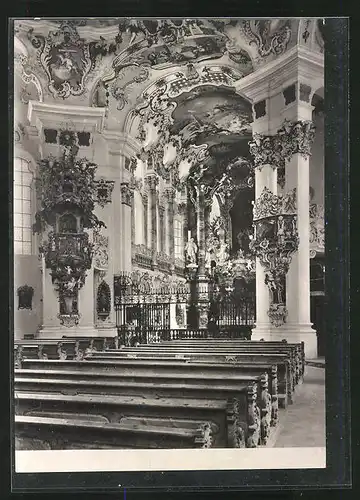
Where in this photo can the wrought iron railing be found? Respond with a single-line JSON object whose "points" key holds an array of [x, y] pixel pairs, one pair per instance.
{"points": [[132, 337]]}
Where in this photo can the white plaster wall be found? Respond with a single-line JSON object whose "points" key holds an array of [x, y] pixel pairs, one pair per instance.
{"points": [[317, 178]]}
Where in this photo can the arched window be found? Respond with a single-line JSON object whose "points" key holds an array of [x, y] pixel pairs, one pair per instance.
{"points": [[23, 178]]}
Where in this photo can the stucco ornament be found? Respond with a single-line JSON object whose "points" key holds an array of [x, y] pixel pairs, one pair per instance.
{"points": [[271, 36]]}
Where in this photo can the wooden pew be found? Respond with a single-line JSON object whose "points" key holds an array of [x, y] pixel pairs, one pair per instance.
{"points": [[231, 350], [255, 420], [66, 348], [293, 350], [297, 348], [154, 370], [36, 432], [167, 412], [284, 367]]}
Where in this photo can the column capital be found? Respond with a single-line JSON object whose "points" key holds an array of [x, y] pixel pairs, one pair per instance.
{"points": [[291, 138], [296, 137], [170, 193], [127, 194], [152, 180]]}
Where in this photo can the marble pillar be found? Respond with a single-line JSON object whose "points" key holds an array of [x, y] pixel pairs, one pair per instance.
{"points": [[298, 326], [127, 194], [265, 177], [152, 181]]}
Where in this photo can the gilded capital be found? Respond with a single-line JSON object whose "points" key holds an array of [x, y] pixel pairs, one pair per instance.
{"points": [[296, 137], [127, 194], [152, 181]]}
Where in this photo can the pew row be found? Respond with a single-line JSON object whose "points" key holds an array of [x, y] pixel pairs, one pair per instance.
{"points": [[139, 370], [39, 432], [255, 420], [285, 370], [165, 412]]}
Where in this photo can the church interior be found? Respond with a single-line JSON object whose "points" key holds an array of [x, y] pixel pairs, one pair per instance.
{"points": [[168, 229]]}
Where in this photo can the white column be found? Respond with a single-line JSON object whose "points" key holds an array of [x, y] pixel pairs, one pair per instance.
{"points": [[264, 178], [126, 246], [298, 326]]}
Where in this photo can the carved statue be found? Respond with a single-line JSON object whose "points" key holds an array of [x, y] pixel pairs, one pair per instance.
{"points": [[281, 230], [223, 253], [274, 285], [191, 251]]}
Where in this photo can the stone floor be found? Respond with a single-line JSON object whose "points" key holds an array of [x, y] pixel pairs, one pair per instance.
{"points": [[303, 423]]}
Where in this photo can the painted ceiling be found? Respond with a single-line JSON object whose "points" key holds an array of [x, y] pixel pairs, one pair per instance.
{"points": [[188, 65]]}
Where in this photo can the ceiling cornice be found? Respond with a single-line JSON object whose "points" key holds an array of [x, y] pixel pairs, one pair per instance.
{"points": [[297, 63], [83, 118]]}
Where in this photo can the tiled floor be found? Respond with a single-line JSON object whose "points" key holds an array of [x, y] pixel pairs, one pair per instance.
{"points": [[303, 423]]}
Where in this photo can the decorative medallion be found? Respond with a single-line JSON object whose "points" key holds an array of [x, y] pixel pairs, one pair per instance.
{"points": [[269, 204], [277, 314], [69, 320], [104, 189], [67, 59]]}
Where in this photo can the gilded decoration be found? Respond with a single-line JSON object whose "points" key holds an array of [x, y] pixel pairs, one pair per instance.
{"points": [[317, 228], [291, 138], [67, 190], [296, 137], [101, 250], [127, 194], [104, 189], [274, 241], [67, 59], [270, 36]]}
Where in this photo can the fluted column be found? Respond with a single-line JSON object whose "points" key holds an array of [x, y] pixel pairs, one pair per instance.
{"points": [[127, 194], [153, 180], [265, 177], [300, 135], [202, 210], [170, 196]]}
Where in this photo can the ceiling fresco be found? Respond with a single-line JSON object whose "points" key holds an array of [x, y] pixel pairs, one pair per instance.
{"points": [[167, 82]]}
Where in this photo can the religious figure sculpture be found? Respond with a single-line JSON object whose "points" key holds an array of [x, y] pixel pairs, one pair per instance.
{"points": [[281, 230], [223, 253], [191, 251], [274, 286]]}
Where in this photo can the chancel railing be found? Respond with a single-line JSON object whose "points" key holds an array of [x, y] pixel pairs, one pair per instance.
{"points": [[152, 308]]}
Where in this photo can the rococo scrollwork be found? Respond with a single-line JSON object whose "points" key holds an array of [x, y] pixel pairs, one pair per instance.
{"points": [[104, 189], [275, 150], [274, 241], [67, 188]]}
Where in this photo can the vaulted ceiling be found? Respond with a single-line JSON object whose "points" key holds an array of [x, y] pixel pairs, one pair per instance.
{"points": [[111, 62]]}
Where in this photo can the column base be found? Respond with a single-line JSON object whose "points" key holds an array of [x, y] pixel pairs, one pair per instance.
{"points": [[291, 332], [107, 331], [294, 333], [58, 332], [261, 331]]}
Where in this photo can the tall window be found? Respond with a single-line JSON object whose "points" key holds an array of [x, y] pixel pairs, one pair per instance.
{"points": [[178, 240], [22, 207]]}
